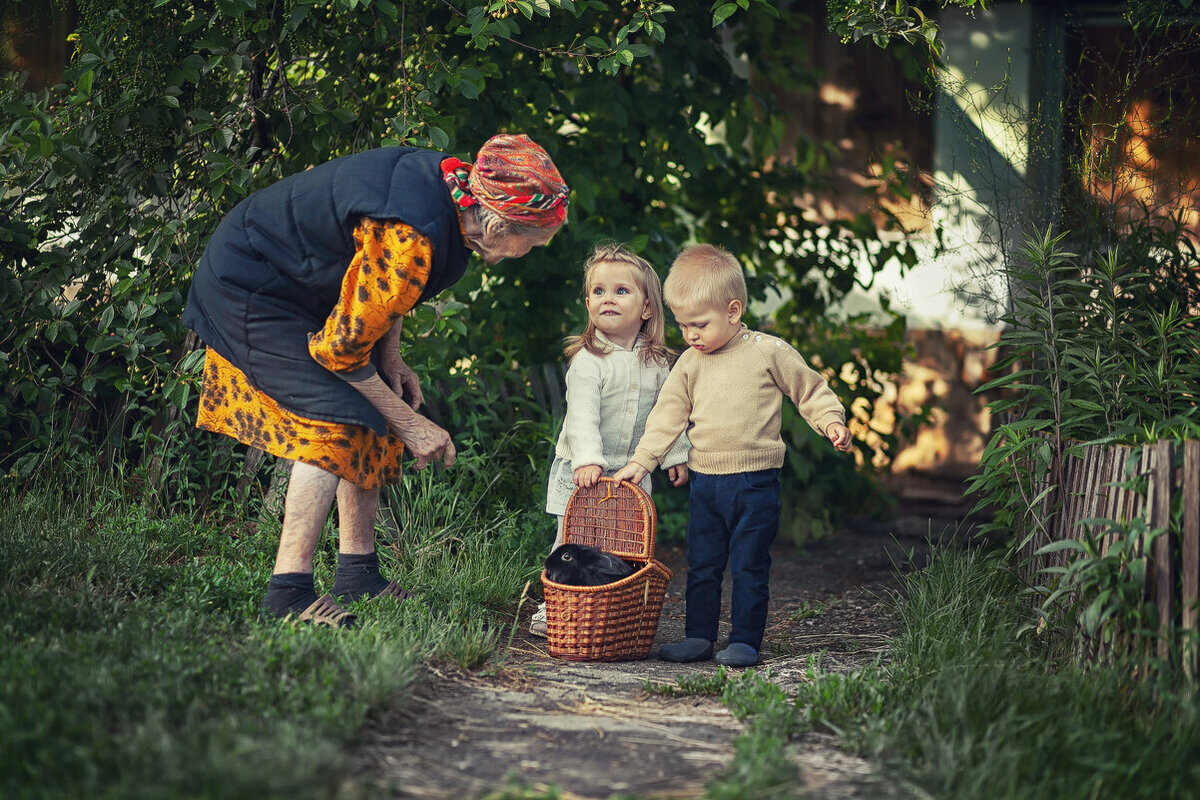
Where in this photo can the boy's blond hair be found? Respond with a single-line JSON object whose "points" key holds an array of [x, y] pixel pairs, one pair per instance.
{"points": [[653, 332], [704, 274]]}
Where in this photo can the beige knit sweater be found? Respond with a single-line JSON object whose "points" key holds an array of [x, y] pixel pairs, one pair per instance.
{"points": [[729, 402]]}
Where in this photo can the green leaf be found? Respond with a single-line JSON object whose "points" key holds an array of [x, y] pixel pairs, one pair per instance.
{"points": [[722, 13], [1063, 544], [438, 137], [468, 89]]}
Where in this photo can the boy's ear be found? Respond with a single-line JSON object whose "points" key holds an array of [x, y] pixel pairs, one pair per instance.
{"points": [[735, 310]]}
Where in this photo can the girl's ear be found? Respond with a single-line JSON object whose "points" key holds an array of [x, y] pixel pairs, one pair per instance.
{"points": [[647, 312]]}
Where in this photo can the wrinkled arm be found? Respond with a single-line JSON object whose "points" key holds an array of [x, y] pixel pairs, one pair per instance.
{"points": [[427, 442]]}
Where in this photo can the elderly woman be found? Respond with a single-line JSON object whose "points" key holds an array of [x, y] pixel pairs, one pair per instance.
{"points": [[299, 299]]}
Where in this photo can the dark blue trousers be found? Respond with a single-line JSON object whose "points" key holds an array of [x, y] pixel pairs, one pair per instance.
{"points": [[732, 519]]}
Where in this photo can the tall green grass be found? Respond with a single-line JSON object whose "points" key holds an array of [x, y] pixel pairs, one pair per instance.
{"points": [[968, 707], [135, 663]]}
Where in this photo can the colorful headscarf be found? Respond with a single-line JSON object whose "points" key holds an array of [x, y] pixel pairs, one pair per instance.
{"points": [[514, 177]]}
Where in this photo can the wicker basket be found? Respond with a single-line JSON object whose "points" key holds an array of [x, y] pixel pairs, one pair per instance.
{"points": [[617, 621]]}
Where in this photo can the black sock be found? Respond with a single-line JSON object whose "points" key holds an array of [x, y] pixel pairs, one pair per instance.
{"points": [[289, 592], [358, 576]]}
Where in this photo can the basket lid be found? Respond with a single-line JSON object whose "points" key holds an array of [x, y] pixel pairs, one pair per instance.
{"points": [[615, 516]]}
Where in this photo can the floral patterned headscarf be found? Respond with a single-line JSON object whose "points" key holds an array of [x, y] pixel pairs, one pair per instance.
{"points": [[513, 176]]}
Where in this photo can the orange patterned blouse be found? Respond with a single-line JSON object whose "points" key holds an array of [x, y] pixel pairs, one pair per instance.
{"points": [[383, 282]]}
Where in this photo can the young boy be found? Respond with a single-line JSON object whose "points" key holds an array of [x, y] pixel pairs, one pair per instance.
{"points": [[726, 391]]}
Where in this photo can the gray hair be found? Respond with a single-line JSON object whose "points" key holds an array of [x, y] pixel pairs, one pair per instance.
{"points": [[493, 224]]}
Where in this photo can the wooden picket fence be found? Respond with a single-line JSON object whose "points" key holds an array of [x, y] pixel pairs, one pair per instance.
{"points": [[1095, 484]]}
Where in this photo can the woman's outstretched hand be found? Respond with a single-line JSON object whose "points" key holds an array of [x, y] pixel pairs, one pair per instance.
{"points": [[426, 442]]}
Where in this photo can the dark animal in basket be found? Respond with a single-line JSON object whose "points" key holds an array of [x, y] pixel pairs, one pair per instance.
{"points": [[581, 565]]}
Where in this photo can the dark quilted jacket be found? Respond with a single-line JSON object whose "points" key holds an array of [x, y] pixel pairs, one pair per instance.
{"points": [[272, 272]]}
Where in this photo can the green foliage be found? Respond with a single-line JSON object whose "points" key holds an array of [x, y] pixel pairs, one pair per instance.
{"points": [[1102, 587], [169, 114], [1097, 349], [885, 22]]}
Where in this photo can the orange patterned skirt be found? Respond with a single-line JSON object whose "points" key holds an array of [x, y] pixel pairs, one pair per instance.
{"points": [[230, 405]]}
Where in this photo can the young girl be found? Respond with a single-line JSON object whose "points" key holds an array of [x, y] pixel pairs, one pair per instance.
{"points": [[618, 364]]}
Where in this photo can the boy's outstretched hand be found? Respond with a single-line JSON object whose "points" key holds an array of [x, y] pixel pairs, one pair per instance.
{"points": [[839, 434], [632, 472]]}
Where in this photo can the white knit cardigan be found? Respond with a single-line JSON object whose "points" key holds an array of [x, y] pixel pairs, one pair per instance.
{"points": [[609, 397]]}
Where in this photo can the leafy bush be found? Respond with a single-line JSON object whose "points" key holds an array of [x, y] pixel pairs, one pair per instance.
{"points": [[1098, 349], [170, 114]]}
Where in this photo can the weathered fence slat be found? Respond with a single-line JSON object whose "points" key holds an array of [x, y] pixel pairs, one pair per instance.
{"points": [[1160, 517], [1190, 547]]}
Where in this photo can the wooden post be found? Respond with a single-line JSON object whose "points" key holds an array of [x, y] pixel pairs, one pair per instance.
{"points": [[1160, 517], [1191, 550]]}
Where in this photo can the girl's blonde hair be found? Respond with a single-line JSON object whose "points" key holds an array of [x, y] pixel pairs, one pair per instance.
{"points": [[652, 334]]}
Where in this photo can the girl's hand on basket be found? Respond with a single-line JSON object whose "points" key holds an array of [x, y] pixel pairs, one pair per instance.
{"points": [[632, 472], [587, 476], [678, 474]]}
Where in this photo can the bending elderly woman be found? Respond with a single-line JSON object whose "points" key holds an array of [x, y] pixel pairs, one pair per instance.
{"points": [[299, 299]]}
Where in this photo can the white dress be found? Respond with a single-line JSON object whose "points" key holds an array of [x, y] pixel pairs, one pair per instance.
{"points": [[609, 397]]}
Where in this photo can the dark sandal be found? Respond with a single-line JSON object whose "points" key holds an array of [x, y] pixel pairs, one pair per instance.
{"points": [[326, 611], [393, 589]]}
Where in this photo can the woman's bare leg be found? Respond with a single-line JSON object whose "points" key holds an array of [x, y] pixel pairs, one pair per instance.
{"points": [[309, 499], [357, 508]]}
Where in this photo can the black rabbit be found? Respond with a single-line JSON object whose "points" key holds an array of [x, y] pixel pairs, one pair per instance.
{"points": [[581, 565]]}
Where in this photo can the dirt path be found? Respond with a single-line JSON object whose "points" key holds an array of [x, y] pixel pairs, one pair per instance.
{"points": [[594, 731]]}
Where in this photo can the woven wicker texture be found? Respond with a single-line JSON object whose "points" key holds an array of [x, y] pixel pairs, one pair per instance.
{"points": [[617, 621], [616, 517]]}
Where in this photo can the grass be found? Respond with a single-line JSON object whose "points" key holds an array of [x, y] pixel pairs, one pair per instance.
{"points": [[134, 662], [963, 706]]}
